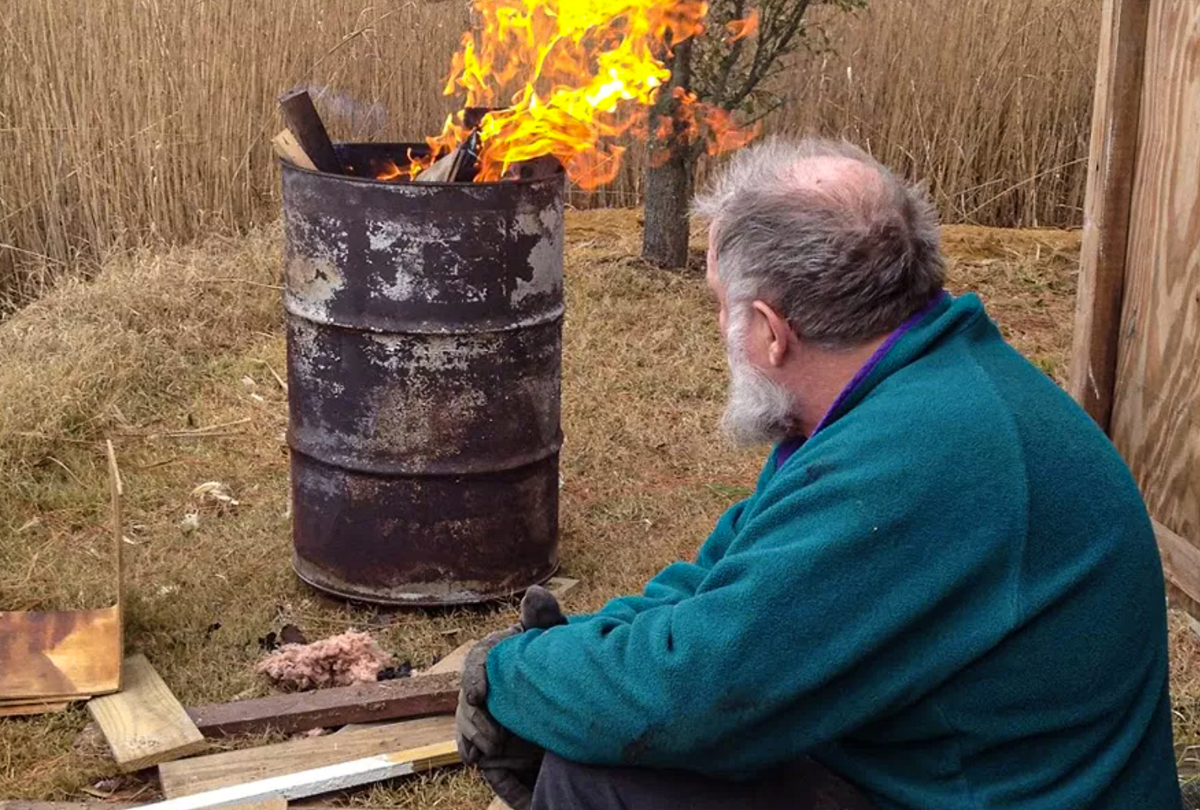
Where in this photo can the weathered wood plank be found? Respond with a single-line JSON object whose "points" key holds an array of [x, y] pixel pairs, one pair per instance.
{"points": [[40, 707], [143, 723], [453, 662], [315, 781], [1181, 564], [1115, 116], [196, 775], [1156, 409], [362, 703]]}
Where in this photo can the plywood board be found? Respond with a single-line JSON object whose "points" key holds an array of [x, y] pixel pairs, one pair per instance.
{"points": [[59, 653], [196, 775], [1156, 410], [143, 723], [1115, 116], [73, 653], [325, 779]]}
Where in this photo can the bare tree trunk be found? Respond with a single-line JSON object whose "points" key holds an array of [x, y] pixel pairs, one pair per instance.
{"points": [[668, 197], [671, 176]]}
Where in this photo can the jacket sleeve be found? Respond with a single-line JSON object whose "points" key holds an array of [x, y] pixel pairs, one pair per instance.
{"points": [[830, 607], [678, 581]]}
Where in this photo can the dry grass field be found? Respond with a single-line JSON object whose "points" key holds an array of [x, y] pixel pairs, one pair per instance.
{"points": [[182, 340], [128, 123]]}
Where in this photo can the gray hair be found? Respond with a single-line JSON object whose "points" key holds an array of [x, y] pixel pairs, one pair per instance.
{"points": [[843, 262]]}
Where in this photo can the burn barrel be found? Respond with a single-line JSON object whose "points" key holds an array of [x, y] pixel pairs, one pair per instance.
{"points": [[424, 335]]}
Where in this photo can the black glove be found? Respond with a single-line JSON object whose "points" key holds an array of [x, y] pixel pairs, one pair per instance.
{"points": [[509, 763]]}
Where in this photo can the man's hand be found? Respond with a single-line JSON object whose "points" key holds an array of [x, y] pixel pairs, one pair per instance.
{"points": [[509, 763]]}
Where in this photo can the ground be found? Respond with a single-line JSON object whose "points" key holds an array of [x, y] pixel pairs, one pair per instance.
{"points": [[160, 346]]}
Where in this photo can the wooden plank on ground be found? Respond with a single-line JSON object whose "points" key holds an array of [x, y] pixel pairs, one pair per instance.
{"points": [[1156, 408], [143, 723], [23, 709], [453, 662], [196, 775], [60, 652], [92, 804], [1115, 115], [398, 699], [498, 804], [272, 802], [325, 779], [559, 586]]}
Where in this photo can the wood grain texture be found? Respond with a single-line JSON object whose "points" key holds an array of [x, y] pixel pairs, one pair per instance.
{"points": [[272, 802], [304, 122], [71, 653], [1115, 116], [560, 586], [288, 148], [1156, 410], [23, 709], [325, 779], [143, 723], [453, 662], [196, 775], [1181, 567], [361, 703]]}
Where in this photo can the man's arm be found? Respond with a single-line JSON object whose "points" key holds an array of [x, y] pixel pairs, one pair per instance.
{"points": [[830, 608], [678, 581]]}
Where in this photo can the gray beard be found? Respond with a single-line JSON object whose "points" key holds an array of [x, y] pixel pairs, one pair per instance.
{"points": [[758, 410]]}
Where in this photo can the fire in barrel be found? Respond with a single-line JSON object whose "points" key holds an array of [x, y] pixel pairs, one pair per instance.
{"points": [[424, 302]]}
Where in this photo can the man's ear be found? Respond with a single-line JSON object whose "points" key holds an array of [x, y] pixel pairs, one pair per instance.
{"points": [[779, 332]]}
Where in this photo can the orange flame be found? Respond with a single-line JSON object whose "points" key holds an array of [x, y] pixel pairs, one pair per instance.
{"points": [[578, 74], [740, 29]]}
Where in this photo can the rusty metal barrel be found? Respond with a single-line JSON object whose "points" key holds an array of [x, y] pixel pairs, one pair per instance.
{"points": [[424, 335]]}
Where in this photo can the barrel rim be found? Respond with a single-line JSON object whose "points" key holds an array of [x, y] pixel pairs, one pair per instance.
{"points": [[287, 165]]}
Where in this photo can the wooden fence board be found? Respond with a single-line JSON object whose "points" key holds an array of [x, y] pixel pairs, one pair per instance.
{"points": [[1115, 115], [1156, 408]]}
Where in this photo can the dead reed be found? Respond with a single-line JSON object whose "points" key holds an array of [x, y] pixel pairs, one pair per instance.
{"points": [[144, 122]]}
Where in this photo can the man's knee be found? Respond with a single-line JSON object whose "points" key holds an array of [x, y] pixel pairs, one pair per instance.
{"points": [[563, 784]]}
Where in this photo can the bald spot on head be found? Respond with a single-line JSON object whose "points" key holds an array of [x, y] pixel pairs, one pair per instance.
{"points": [[824, 234], [853, 188]]}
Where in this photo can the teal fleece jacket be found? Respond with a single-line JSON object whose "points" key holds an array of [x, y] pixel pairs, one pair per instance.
{"points": [[950, 594]]}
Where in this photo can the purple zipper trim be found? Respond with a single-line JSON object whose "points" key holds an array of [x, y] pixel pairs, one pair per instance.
{"points": [[790, 446]]}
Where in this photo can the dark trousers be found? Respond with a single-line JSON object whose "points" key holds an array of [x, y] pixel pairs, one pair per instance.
{"points": [[805, 785]]}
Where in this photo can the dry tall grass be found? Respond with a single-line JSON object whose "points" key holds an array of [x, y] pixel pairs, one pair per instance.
{"points": [[135, 122]]}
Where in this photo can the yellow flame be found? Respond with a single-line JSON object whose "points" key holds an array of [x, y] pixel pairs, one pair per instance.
{"points": [[567, 78]]}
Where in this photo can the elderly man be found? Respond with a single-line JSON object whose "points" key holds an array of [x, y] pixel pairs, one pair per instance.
{"points": [[944, 593]]}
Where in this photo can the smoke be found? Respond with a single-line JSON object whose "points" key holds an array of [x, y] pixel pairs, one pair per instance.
{"points": [[360, 122]]}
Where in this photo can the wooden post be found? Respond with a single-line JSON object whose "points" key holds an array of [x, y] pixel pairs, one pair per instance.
{"points": [[1115, 118]]}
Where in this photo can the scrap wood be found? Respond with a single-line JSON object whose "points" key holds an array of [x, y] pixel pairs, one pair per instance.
{"points": [[452, 662], [41, 707], [143, 723], [305, 123], [324, 779], [187, 776], [57, 656], [341, 660], [300, 711], [288, 148], [559, 586]]}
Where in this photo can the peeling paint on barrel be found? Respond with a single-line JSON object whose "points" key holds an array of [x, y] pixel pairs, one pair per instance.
{"points": [[424, 345]]}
